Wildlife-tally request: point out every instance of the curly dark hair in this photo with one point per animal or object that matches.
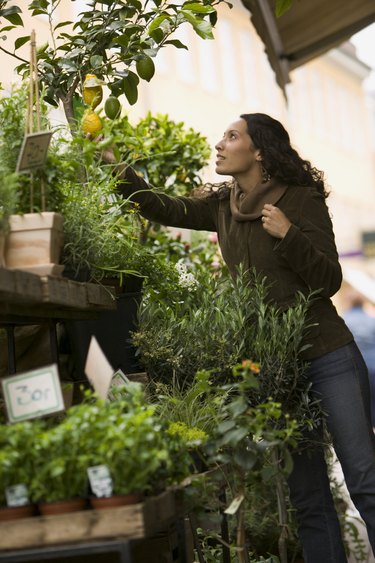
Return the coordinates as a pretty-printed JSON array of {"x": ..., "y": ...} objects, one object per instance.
[{"x": 279, "y": 158}]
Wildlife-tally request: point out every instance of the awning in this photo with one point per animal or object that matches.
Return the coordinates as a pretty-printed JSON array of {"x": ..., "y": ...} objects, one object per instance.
[{"x": 308, "y": 29}]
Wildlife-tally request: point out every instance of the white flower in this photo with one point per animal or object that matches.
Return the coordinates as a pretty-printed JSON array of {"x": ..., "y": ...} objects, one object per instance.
[{"x": 186, "y": 279}]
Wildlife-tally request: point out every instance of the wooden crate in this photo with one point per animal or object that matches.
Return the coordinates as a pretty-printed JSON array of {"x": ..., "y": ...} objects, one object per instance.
[{"x": 133, "y": 522}]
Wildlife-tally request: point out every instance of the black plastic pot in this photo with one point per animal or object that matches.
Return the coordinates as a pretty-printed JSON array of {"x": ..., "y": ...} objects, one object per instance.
[{"x": 112, "y": 329}]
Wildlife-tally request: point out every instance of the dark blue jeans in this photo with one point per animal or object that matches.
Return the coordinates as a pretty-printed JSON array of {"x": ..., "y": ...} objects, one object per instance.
[{"x": 340, "y": 380}]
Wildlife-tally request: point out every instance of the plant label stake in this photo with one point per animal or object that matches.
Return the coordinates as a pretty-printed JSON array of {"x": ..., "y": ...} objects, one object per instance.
[
  {"x": 35, "y": 145},
  {"x": 100, "y": 480},
  {"x": 98, "y": 369},
  {"x": 17, "y": 495},
  {"x": 33, "y": 152},
  {"x": 33, "y": 394}
]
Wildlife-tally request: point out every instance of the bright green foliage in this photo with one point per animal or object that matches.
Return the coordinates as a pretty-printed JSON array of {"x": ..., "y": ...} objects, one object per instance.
[
  {"x": 216, "y": 323},
  {"x": 169, "y": 154},
  {"x": 125, "y": 434},
  {"x": 18, "y": 456}
]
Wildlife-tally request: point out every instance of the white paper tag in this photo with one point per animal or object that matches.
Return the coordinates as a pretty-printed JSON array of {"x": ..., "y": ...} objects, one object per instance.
[
  {"x": 17, "y": 495},
  {"x": 33, "y": 153},
  {"x": 98, "y": 369},
  {"x": 234, "y": 505},
  {"x": 33, "y": 394},
  {"x": 100, "y": 480}
]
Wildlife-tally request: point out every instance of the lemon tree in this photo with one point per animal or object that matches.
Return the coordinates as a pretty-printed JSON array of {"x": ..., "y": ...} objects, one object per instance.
[{"x": 116, "y": 41}]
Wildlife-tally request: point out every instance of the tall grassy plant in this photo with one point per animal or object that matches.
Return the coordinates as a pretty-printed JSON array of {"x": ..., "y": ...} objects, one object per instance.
[{"x": 216, "y": 323}]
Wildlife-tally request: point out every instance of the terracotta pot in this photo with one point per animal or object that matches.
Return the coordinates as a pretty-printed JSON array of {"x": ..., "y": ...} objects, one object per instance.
[
  {"x": 99, "y": 503},
  {"x": 62, "y": 506},
  {"x": 15, "y": 512},
  {"x": 34, "y": 243}
]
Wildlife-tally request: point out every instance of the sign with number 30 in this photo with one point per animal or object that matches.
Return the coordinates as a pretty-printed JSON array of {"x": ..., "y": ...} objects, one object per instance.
[{"x": 33, "y": 394}]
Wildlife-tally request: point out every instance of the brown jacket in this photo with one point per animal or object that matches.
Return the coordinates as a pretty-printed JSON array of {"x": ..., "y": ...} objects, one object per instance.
[{"x": 305, "y": 259}]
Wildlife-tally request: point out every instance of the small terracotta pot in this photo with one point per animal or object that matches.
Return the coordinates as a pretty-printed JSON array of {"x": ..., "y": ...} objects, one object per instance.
[
  {"x": 15, "y": 512},
  {"x": 99, "y": 503},
  {"x": 62, "y": 506}
]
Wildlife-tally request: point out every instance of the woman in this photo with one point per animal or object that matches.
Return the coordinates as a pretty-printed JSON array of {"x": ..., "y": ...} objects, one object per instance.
[{"x": 273, "y": 217}]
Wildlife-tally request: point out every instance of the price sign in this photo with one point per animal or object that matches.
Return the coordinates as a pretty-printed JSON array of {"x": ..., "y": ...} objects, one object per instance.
[
  {"x": 34, "y": 150},
  {"x": 33, "y": 394}
]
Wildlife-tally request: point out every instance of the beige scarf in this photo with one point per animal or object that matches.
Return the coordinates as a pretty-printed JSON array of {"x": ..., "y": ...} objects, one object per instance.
[{"x": 248, "y": 206}]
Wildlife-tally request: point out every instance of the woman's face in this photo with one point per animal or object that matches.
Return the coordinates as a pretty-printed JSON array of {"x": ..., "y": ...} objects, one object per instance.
[{"x": 236, "y": 154}]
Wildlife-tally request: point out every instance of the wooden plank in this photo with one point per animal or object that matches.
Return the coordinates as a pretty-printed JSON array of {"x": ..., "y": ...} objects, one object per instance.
[
  {"x": 7, "y": 281},
  {"x": 133, "y": 521},
  {"x": 100, "y": 295},
  {"x": 16, "y": 285},
  {"x": 28, "y": 285}
]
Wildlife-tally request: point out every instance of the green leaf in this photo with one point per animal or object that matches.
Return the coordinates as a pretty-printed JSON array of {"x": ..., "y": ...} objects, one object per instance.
[
  {"x": 245, "y": 458},
  {"x": 21, "y": 41},
  {"x": 130, "y": 87},
  {"x": 282, "y": 6},
  {"x": 238, "y": 407},
  {"x": 156, "y": 23},
  {"x": 157, "y": 35},
  {"x": 177, "y": 43},
  {"x": 78, "y": 107},
  {"x": 14, "y": 18},
  {"x": 198, "y": 8},
  {"x": 234, "y": 436},
  {"x": 225, "y": 426},
  {"x": 62, "y": 24},
  {"x": 204, "y": 30},
  {"x": 96, "y": 61}
]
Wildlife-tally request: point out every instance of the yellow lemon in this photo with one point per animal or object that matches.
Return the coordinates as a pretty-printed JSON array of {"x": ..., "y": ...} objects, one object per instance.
[
  {"x": 92, "y": 90},
  {"x": 91, "y": 123}
]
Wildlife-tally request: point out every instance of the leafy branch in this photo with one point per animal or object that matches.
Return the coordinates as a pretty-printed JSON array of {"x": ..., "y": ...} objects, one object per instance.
[{"x": 117, "y": 40}]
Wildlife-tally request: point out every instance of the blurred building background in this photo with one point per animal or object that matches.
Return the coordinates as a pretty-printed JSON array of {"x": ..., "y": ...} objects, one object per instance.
[{"x": 329, "y": 114}]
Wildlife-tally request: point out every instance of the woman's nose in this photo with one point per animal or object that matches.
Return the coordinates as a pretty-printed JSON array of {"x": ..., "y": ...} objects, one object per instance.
[{"x": 219, "y": 145}]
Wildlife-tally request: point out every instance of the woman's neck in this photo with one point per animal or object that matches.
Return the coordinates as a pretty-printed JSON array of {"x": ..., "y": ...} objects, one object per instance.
[{"x": 247, "y": 182}]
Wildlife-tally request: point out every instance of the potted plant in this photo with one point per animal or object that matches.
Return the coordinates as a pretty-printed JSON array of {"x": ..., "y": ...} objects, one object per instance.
[
  {"x": 17, "y": 466},
  {"x": 127, "y": 437},
  {"x": 39, "y": 251},
  {"x": 8, "y": 198},
  {"x": 59, "y": 479}
]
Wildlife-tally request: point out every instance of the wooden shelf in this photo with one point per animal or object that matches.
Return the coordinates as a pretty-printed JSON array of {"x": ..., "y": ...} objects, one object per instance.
[
  {"x": 29, "y": 298},
  {"x": 134, "y": 521}
]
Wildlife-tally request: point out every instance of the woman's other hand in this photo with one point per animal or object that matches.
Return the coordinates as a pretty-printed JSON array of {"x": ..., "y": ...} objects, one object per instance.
[{"x": 275, "y": 222}]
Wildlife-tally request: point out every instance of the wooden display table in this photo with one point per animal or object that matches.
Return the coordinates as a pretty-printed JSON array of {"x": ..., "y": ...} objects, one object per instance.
[
  {"x": 28, "y": 299},
  {"x": 139, "y": 533}
]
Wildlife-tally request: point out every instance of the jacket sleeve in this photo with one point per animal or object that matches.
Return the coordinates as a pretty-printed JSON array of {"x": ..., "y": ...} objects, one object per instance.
[
  {"x": 309, "y": 246},
  {"x": 184, "y": 212}
]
